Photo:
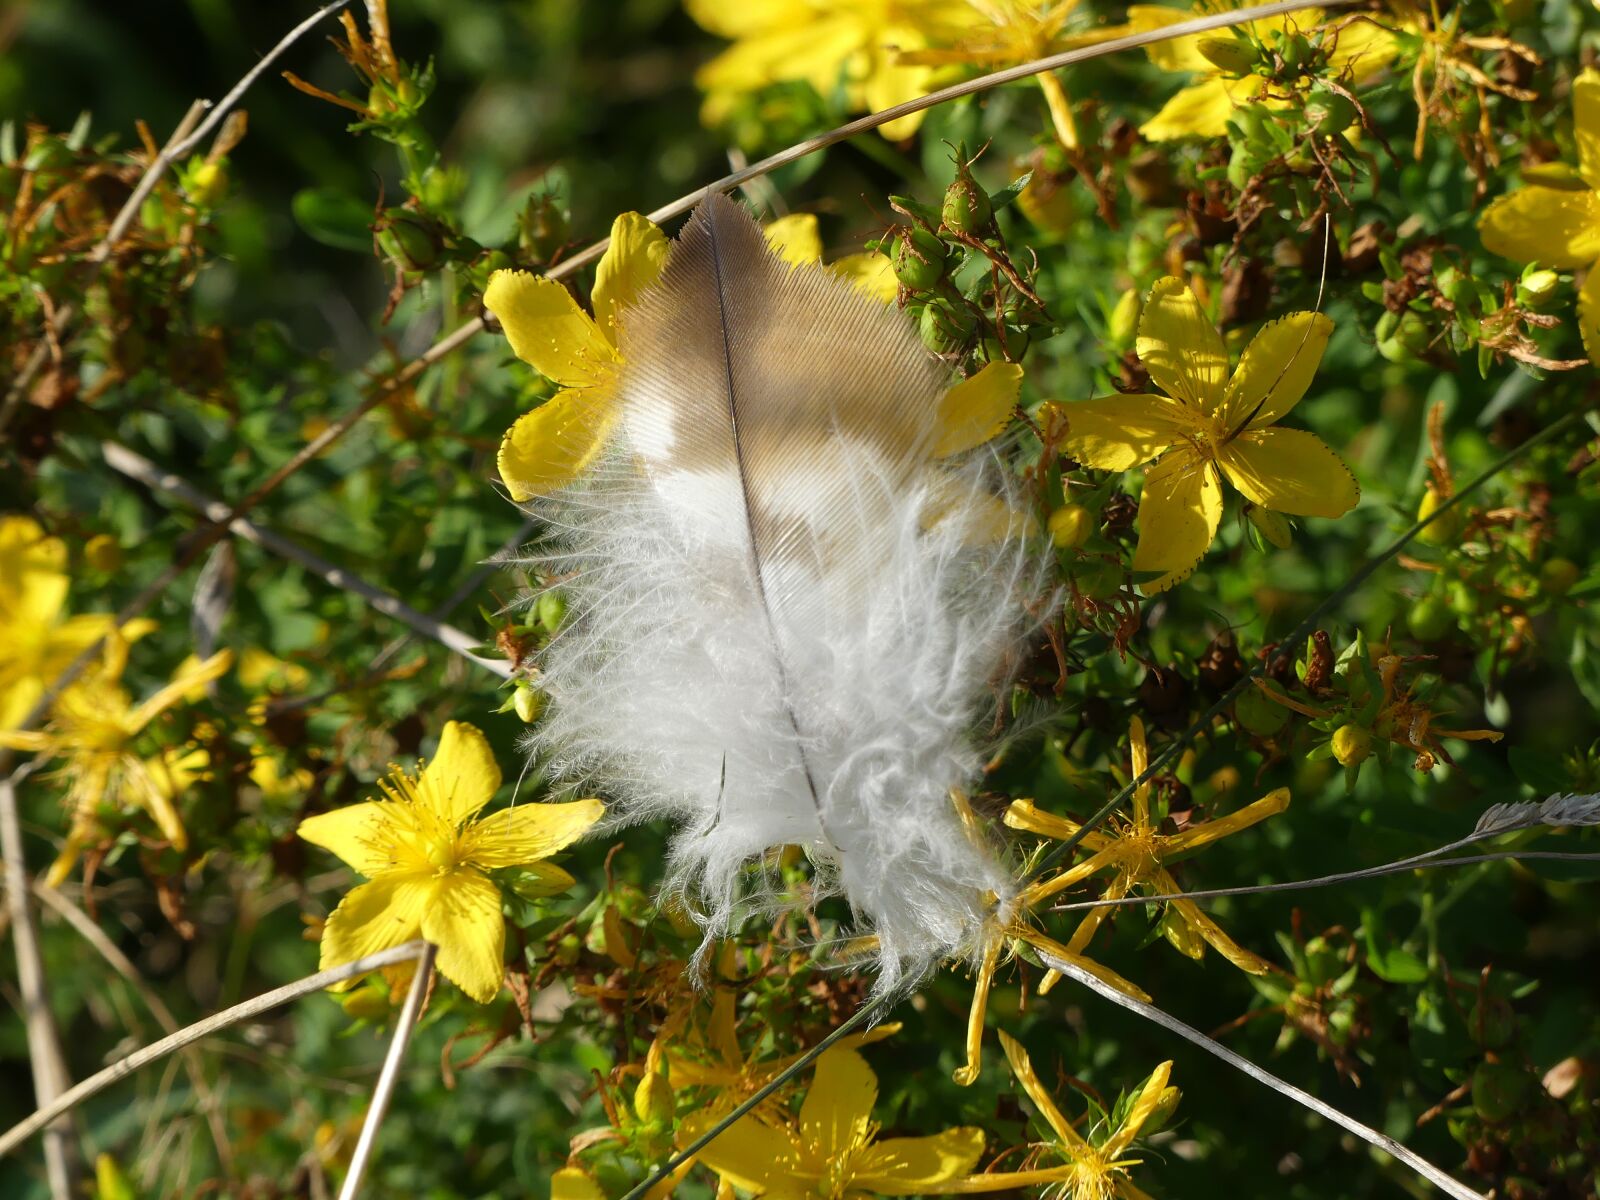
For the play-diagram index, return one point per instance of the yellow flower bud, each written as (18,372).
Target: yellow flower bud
(103,553)
(574,1183)
(110,1182)
(528,703)
(1124,325)
(653,1099)
(1351,745)
(1070,526)
(1443,531)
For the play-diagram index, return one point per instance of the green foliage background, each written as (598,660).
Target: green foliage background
(596,101)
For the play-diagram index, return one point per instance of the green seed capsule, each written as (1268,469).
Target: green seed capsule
(1258,714)
(966,205)
(919,259)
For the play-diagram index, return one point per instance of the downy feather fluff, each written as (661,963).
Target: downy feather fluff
(784,612)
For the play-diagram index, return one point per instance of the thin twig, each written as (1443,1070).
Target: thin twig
(194,1064)
(1151,1013)
(1426,861)
(136,466)
(405,1024)
(189,1034)
(50,1078)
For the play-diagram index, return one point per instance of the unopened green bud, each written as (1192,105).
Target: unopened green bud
(1328,111)
(551,610)
(567,949)
(1537,286)
(966,205)
(110,1181)
(409,240)
(946,330)
(1161,1114)
(1259,714)
(1070,526)
(1558,575)
(1409,339)
(528,703)
(1233,55)
(1351,745)
(919,259)
(1499,1090)
(542,226)
(1273,526)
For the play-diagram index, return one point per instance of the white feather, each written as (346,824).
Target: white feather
(819,687)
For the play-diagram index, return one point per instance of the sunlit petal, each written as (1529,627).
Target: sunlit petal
(1586,122)
(1277,368)
(548,448)
(1118,432)
(841,1095)
(464,921)
(1270,805)
(908,1166)
(546,328)
(976,410)
(360,834)
(632,262)
(529,832)
(747,1154)
(1554,227)
(1180,347)
(795,238)
(375,916)
(1290,471)
(1179,512)
(462,776)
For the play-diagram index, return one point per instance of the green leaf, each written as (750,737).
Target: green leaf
(334,218)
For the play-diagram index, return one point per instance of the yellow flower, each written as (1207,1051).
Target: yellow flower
(713,1060)
(1094,1169)
(1554,218)
(826,43)
(1006,931)
(427,855)
(37,642)
(92,728)
(549,447)
(1211,425)
(1137,853)
(832,1151)
(1012,32)
(1202,109)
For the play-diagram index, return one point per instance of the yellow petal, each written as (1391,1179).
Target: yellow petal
(1555,227)
(795,238)
(1174,54)
(375,916)
(464,921)
(1022,1068)
(631,263)
(33,578)
(892,82)
(186,680)
(574,1183)
(1054,949)
(873,273)
(748,18)
(1118,432)
(977,409)
(1060,106)
(1224,945)
(1180,347)
(462,776)
(818,50)
(546,328)
(1200,110)
(1178,517)
(1024,814)
(1589,315)
(1290,471)
(1586,119)
(516,836)
(982,983)
(747,1154)
(360,834)
(842,1093)
(909,1166)
(1183,936)
(985,519)
(1277,368)
(548,448)
(1365,47)
(1270,805)
(1139,1113)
